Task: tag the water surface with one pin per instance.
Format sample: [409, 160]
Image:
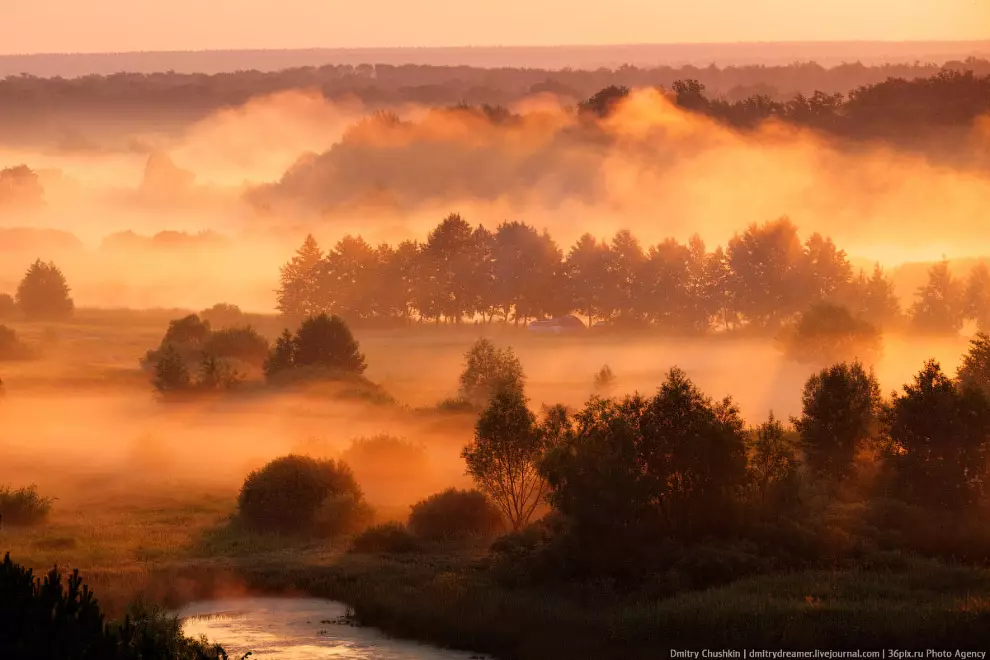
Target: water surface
[298, 629]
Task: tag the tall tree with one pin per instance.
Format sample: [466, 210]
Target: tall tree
[299, 291]
[938, 304]
[977, 297]
[504, 455]
[662, 288]
[768, 267]
[828, 268]
[448, 262]
[938, 435]
[840, 410]
[346, 276]
[879, 304]
[587, 267]
[627, 260]
[489, 370]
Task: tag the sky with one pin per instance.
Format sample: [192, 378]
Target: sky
[51, 26]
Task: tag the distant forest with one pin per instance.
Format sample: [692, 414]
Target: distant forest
[764, 278]
[188, 96]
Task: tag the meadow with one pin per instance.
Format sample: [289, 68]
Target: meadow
[146, 495]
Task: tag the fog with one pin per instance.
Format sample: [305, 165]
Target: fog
[266, 173]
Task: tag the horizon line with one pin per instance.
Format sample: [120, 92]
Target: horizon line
[961, 42]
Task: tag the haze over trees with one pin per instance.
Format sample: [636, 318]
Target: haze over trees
[767, 280]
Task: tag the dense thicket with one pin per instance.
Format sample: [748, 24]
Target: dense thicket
[765, 277]
[675, 486]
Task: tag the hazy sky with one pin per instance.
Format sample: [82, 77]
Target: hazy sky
[31, 26]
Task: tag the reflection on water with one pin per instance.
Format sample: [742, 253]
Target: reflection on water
[297, 629]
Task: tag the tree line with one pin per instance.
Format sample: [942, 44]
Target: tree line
[625, 477]
[383, 84]
[763, 278]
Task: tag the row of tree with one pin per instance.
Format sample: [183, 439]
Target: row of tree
[626, 474]
[764, 277]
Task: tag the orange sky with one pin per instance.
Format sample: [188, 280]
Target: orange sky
[122, 25]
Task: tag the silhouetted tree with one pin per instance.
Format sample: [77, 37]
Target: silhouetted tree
[976, 299]
[603, 102]
[604, 380]
[587, 268]
[974, 372]
[672, 465]
[282, 356]
[298, 294]
[773, 466]
[878, 303]
[938, 306]
[189, 330]
[326, 341]
[489, 370]
[43, 293]
[504, 455]
[171, 372]
[840, 410]
[768, 267]
[938, 435]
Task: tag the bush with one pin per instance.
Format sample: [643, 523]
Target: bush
[223, 315]
[389, 538]
[23, 506]
[11, 347]
[298, 494]
[187, 330]
[455, 515]
[43, 294]
[322, 343]
[171, 372]
[242, 343]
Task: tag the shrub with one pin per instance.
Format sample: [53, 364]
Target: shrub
[43, 294]
[218, 373]
[171, 372]
[298, 494]
[187, 330]
[8, 308]
[223, 315]
[41, 618]
[23, 506]
[322, 343]
[455, 515]
[11, 347]
[243, 343]
[389, 538]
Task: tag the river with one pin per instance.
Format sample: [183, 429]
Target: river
[298, 629]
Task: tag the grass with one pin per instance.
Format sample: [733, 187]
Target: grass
[171, 551]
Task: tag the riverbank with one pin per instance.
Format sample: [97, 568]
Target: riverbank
[172, 552]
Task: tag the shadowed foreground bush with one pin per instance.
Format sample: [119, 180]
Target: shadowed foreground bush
[388, 538]
[40, 619]
[455, 515]
[298, 494]
[23, 506]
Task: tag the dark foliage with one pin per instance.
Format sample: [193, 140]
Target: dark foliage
[44, 619]
[297, 494]
[454, 515]
[388, 538]
[43, 293]
[24, 506]
[8, 307]
[939, 441]
[223, 315]
[827, 333]
[242, 343]
[839, 417]
[322, 342]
